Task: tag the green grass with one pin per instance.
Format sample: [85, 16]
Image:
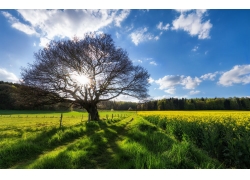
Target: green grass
[129, 141]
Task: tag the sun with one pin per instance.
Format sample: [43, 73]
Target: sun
[79, 78]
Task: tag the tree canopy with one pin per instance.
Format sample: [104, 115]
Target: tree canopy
[86, 72]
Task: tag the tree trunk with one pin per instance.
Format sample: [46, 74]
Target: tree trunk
[93, 113]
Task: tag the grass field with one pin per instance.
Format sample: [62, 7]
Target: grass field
[147, 139]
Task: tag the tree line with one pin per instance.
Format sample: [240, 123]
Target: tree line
[231, 103]
[14, 96]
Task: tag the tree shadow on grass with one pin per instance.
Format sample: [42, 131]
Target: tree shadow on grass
[123, 144]
[31, 148]
[93, 151]
[145, 146]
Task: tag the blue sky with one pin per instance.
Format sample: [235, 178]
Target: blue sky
[188, 53]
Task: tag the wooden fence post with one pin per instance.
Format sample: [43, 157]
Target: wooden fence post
[61, 120]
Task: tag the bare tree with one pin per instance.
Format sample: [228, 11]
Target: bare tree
[86, 72]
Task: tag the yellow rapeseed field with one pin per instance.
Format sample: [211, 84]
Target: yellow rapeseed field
[239, 118]
[225, 135]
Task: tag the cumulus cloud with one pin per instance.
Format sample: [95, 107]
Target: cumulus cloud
[8, 76]
[141, 35]
[49, 24]
[194, 92]
[190, 83]
[209, 76]
[169, 82]
[161, 27]
[240, 74]
[193, 23]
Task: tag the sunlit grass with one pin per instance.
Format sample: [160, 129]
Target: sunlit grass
[149, 140]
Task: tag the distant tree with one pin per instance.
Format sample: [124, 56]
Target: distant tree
[37, 98]
[86, 71]
[6, 96]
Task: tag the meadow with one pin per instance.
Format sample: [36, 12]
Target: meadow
[125, 140]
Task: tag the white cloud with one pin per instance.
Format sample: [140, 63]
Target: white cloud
[161, 27]
[209, 76]
[170, 90]
[123, 15]
[151, 80]
[194, 92]
[129, 28]
[141, 35]
[140, 61]
[240, 74]
[138, 36]
[190, 83]
[195, 48]
[170, 81]
[9, 16]
[49, 24]
[24, 28]
[8, 76]
[19, 26]
[193, 23]
[153, 63]
[44, 41]
[156, 38]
